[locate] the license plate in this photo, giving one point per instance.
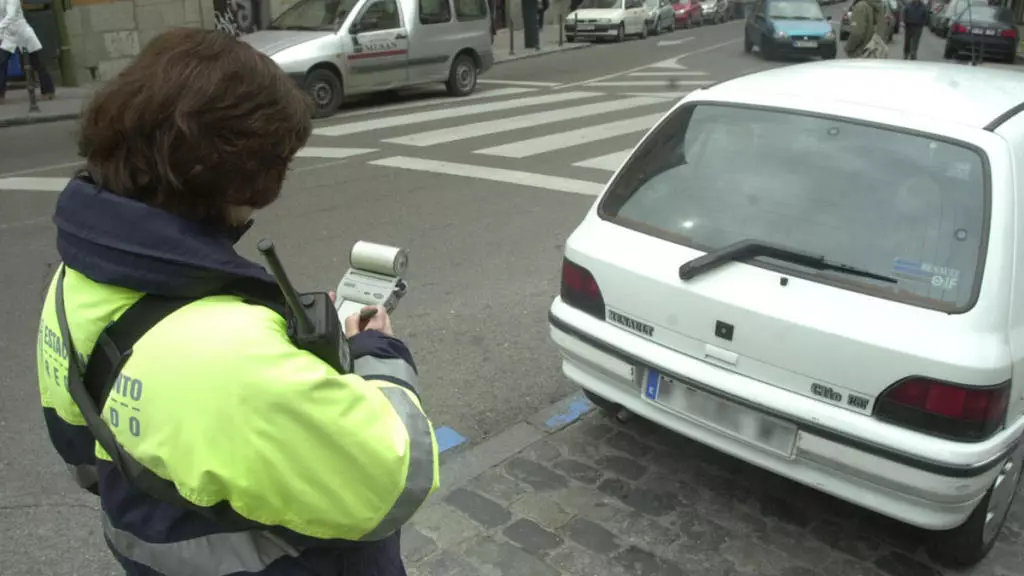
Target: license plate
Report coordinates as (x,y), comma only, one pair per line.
(728,417)
(977,30)
(586,26)
(805,44)
(990,32)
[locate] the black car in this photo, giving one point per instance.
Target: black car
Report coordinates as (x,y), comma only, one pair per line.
(983,32)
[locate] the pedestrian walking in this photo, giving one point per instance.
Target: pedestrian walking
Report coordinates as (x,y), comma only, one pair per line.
(915,17)
(867,26)
(15,33)
(542,7)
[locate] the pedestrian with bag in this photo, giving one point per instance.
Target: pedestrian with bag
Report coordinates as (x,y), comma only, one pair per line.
(867,27)
(171,384)
(915,17)
(15,33)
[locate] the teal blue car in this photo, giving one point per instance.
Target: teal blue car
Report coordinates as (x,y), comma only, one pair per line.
(789,28)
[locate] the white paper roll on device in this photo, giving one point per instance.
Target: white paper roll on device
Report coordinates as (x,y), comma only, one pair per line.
(379,258)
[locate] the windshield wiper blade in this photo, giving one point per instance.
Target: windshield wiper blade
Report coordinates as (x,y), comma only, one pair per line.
(747,249)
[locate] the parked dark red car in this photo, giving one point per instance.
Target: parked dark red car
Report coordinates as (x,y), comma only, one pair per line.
(687,13)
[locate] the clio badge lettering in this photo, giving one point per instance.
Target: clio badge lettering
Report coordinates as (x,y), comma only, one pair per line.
(633,324)
(852,400)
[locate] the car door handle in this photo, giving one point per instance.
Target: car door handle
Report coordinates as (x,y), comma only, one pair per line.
(401,36)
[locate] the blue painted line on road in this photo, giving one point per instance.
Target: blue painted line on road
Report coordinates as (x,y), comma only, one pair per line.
(572,412)
(448,438)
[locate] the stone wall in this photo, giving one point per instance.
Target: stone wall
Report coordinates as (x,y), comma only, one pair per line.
(106,34)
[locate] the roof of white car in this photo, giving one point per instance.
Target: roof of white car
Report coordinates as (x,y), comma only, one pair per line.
(972,95)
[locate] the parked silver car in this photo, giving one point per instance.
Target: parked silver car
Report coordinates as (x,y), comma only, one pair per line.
(660,16)
(338,48)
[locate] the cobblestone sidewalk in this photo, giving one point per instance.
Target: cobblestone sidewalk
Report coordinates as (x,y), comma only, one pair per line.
(601,498)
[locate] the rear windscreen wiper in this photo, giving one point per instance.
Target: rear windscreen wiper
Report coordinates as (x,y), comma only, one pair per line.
(747,249)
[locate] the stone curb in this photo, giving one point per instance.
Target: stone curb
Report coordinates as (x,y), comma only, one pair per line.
(29,119)
(528,53)
(466,464)
(38,119)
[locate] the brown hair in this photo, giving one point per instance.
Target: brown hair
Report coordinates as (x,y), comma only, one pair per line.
(199,122)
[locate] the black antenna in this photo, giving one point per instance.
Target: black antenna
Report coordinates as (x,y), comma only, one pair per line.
(291,297)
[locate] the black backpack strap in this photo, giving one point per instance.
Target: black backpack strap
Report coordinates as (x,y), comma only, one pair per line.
(89,389)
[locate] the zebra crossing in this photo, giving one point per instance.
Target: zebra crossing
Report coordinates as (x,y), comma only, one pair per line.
(566,138)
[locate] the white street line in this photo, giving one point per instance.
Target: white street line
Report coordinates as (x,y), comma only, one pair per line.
(656,65)
(609,162)
(668,74)
(446,113)
(556,183)
(431,101)
(34,184)
(328,152)
(672,42)
(666,83)
(486,128)
(519,83)
(663,95)
(76,163)
(561,140)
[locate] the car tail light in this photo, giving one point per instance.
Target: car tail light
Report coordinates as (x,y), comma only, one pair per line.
(967,413)
(580,290)
(958,29)
(1008,33)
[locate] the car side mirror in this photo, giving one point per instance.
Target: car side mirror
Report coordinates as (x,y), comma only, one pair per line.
(354,28)
(829,18)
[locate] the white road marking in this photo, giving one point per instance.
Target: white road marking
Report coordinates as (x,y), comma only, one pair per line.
(34,184)
(609,162)
(331,152)
(556,183)
(431,101)
(76,163)
(667,83)
(645,66)
(446,113)
(518,83)
(668,74)
(663,95)
(561,140)
(486,128)
(671,42)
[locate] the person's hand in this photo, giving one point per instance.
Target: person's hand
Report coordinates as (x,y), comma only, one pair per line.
(380,322)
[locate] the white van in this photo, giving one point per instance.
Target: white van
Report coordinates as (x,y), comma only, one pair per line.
(818,270)
(339,48)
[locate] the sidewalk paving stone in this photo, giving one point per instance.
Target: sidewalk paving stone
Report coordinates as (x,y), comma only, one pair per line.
(67,105)
(601,498)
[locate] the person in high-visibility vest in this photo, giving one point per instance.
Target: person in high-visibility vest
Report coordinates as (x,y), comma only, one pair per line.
(231,450)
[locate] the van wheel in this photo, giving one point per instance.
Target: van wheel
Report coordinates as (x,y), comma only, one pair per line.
(324,88)
(971,541)
(621,34)
(570,39)
(748,44)
(462,78)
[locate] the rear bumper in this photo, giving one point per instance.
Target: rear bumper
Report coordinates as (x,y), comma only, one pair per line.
(930,484)
(986,47)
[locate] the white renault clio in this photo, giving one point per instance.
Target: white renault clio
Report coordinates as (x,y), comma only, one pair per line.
(819,269)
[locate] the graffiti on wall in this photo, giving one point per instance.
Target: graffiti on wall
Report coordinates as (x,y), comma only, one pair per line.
(236,17)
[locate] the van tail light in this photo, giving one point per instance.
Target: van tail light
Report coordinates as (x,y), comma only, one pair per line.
(580,290)
(1009,33)
(958,29)
(965,413)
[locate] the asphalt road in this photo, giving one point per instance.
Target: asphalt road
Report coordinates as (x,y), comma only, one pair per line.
(483,214)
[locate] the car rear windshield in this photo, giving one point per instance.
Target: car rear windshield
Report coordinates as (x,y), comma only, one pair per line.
(795,10)
(906,206)
(987,14)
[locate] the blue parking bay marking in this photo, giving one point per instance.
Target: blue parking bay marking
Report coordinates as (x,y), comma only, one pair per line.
(651,389)
(448,438)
